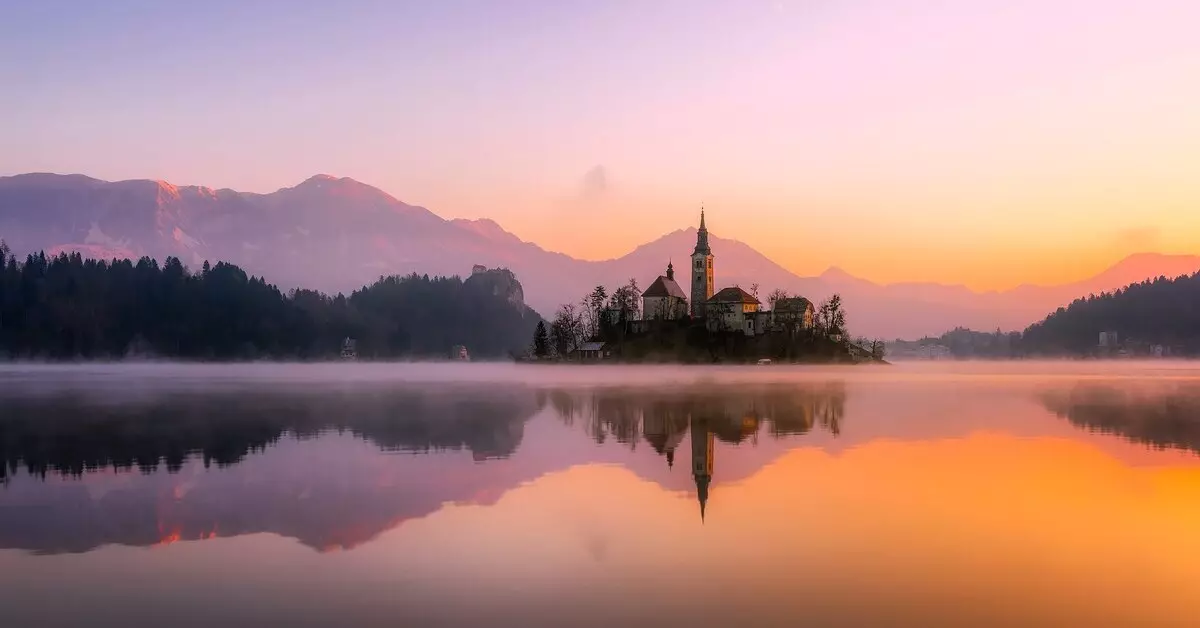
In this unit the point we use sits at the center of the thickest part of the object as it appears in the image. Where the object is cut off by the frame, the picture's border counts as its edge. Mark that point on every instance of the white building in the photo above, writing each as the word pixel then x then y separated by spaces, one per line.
pixel 664 299
pixel 732 309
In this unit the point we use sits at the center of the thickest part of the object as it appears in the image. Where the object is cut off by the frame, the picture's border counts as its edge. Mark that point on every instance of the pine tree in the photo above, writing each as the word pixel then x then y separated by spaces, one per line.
pixel 541 340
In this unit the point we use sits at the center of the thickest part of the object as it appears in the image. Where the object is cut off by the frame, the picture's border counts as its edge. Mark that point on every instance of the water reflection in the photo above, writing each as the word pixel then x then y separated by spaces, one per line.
pixel 942 503
pixel 298 462
pixel 730 414
pixel 1165 415
pixel 77 432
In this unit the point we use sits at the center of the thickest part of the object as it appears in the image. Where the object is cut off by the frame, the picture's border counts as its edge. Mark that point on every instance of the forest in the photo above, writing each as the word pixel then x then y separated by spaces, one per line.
pixel 1159 312
pixel 68 307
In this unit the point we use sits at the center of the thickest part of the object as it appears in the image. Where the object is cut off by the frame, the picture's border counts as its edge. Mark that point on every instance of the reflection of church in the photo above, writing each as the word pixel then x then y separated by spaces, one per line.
pixel 702 460
pixel 705 416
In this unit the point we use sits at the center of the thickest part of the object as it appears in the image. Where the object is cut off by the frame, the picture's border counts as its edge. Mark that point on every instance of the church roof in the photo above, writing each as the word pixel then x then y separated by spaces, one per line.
pixel 663 287
pixel 733 294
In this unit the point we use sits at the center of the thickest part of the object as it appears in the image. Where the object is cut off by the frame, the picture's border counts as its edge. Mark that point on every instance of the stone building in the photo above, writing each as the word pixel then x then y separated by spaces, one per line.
pixel 702 271
pixel 792 313
pixel 664 299
pixel 732 309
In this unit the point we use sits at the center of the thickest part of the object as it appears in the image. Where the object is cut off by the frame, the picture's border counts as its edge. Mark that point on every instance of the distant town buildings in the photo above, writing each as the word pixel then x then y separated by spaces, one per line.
pixel 917 350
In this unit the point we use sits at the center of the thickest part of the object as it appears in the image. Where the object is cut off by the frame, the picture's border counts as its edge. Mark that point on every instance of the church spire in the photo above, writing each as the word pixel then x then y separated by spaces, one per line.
pixel 671 270
pixel 702 237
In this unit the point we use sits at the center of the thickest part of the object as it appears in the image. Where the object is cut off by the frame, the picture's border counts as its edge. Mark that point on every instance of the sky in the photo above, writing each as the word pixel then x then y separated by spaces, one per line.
pixel 989 143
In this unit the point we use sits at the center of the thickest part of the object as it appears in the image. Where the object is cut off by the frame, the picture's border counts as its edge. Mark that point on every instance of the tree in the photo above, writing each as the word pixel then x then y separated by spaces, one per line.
pixel 776 296
pixel 831 319
pixel 595 301
pixel 541 340
pixel 627 301
pixel 754 290
pixel 566 331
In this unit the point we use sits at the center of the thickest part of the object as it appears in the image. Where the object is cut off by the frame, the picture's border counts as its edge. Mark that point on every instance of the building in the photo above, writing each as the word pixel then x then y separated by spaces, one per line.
pixel 732 309
pixel 349 349
pixel 590 352
pixel 1108 340
pixel 702 271
pixel 664 299
pixel 793 313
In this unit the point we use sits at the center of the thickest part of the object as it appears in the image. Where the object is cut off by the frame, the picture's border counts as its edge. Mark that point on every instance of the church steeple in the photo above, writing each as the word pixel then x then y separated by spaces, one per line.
pixel 702 270
pixel 702 238
pixel 671 270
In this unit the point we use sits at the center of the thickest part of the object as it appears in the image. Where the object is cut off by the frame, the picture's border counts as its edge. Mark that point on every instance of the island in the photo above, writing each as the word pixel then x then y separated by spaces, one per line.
pixel 664 324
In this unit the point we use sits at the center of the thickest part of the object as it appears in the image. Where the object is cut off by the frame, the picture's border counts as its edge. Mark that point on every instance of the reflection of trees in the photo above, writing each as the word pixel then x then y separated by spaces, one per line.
pixel 734 414
pixel 1160 416
pixel 74 433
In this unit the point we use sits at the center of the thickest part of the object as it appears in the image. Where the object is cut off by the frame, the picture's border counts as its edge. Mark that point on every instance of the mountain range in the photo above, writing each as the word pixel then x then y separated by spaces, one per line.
pixel 336 234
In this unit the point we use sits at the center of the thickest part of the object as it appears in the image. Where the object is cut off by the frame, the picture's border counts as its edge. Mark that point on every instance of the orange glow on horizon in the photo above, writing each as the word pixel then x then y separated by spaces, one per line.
pixel 1044 524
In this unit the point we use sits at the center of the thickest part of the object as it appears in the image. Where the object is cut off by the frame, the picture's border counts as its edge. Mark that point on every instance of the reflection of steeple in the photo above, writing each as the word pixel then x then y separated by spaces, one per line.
pixel 702 459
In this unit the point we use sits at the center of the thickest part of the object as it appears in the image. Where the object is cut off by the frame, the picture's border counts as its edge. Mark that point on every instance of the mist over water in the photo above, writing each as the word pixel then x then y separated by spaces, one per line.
pixel 990 493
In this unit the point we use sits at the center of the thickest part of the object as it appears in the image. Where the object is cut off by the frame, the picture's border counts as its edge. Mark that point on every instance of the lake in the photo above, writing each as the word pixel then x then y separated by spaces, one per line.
pixel 1031 494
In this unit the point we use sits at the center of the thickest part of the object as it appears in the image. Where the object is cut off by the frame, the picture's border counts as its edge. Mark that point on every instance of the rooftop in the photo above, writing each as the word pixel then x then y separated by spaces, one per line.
pixel 664 287
pixel 733 294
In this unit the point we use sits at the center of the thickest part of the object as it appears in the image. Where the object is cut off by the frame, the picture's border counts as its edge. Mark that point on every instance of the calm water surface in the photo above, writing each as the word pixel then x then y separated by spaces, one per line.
pixel 500 495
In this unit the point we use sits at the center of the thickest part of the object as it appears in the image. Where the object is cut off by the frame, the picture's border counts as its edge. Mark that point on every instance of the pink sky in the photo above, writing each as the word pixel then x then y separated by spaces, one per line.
pixel 989 142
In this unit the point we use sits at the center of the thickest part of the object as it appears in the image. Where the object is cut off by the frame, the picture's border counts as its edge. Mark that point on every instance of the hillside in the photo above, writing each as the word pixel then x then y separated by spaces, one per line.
pixel 1158 312
pixel 335 234
pixel 66 307
pixel 1159 317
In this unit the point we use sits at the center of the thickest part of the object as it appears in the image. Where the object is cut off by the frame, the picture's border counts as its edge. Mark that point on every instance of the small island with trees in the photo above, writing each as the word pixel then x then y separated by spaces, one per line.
pixel 663 325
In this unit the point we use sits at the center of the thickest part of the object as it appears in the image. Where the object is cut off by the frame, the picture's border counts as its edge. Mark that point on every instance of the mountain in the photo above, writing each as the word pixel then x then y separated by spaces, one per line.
pixel 336 234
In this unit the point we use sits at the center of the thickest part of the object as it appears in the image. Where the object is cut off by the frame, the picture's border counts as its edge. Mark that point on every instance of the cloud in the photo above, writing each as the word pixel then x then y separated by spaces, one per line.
pixel 595 183
pixel 1139 237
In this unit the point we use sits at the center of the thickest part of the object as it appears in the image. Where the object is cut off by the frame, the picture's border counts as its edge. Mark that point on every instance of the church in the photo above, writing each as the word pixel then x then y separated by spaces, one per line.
pixel 730 309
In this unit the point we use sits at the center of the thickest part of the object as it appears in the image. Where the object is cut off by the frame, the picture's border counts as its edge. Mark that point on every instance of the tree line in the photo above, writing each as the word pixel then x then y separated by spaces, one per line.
pixel 67 307
pixel 1158 311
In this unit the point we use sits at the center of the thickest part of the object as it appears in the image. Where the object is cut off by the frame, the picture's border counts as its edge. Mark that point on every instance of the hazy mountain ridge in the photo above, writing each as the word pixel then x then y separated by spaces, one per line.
pixel 336 234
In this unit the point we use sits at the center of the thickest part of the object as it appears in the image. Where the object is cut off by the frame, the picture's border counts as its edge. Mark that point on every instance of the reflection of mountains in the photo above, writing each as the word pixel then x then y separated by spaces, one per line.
pixel 1161 416
pixel 327 487
pixel 76 433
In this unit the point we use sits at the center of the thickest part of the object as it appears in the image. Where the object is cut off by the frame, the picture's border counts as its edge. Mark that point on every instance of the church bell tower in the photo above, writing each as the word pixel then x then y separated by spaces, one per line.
pixel 702 270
